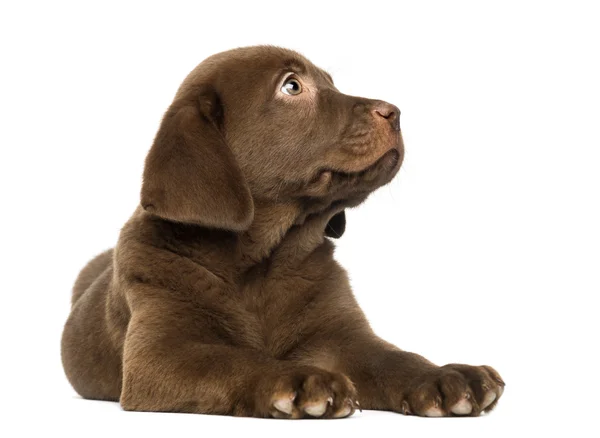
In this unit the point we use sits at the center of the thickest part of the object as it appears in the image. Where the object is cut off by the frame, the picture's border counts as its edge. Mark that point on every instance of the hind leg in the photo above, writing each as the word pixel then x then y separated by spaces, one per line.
pixel 91 353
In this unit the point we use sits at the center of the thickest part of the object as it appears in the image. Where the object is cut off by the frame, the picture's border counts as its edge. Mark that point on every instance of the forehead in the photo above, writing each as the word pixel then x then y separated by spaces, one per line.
pixel 271 59
pixel 251 63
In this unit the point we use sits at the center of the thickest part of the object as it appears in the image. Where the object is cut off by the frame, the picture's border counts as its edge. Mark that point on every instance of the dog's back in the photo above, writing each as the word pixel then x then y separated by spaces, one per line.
pixel 90 273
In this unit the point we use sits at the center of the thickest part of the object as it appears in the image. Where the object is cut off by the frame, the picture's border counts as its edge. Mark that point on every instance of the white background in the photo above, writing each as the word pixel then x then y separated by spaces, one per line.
pixel 485 248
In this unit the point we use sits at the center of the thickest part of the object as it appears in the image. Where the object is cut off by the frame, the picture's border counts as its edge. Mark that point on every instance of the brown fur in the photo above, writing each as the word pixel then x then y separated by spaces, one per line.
pixel 222 295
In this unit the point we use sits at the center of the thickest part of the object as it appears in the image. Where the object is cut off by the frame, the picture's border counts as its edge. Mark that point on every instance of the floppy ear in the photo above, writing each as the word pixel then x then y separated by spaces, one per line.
pixel 336 226
pixel 191 175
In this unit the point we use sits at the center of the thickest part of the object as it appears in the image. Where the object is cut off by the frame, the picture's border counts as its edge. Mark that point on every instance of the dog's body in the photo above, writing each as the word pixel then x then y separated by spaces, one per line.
pixel 222 295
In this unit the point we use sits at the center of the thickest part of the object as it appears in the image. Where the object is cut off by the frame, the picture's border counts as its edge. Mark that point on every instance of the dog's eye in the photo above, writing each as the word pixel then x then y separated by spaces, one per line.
pixel 292 87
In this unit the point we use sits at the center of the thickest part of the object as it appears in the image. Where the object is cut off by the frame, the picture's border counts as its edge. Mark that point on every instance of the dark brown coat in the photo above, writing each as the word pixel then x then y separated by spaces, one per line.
pixel 222 295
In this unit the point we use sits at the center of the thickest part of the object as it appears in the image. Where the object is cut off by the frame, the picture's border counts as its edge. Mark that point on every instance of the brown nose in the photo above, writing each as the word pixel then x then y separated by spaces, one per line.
pixel 389 112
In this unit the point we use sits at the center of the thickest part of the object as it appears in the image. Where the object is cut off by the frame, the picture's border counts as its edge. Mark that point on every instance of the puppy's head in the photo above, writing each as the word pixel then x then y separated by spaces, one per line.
pixel 264 124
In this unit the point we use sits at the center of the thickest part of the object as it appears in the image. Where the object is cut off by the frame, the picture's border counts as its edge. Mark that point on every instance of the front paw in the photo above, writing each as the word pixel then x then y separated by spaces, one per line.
pixel 307 392
pixel 454 390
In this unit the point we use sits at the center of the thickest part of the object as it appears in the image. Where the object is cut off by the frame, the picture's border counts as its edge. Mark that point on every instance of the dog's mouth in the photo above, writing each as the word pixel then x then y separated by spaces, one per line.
pixel 387 162
pixel 368 178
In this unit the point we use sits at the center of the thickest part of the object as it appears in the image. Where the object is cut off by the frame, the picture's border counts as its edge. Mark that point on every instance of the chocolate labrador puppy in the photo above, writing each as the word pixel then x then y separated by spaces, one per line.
pixel 222 295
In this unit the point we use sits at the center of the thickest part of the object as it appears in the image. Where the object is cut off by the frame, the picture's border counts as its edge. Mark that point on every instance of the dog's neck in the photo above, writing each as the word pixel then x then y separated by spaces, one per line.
pixel 280 234
pixel 282 229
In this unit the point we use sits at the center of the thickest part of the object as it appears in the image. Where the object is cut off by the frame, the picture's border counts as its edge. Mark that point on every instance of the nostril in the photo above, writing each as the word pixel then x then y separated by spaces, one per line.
pixel 389 112
pixel 385 115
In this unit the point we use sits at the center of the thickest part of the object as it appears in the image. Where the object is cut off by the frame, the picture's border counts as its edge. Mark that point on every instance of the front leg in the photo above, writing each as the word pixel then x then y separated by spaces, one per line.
pixel 164 369
pixel 388 378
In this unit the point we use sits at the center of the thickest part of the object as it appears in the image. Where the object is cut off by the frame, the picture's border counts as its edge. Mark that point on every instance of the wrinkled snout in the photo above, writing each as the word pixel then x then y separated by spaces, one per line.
pixel 371 130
